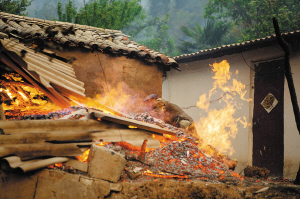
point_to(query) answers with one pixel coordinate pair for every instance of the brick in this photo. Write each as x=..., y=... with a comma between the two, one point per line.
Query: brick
x=105, y=163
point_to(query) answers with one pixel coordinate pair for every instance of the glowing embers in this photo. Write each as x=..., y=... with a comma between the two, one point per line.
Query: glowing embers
x=269, y=102
x=20, y=98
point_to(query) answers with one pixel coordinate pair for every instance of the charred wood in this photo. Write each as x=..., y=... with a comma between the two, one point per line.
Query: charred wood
x=120, y=120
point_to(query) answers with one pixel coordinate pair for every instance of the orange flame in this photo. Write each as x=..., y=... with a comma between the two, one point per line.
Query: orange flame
x=220, y=125
x=119, y=98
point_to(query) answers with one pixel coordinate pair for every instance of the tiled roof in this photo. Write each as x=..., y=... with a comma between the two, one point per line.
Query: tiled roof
x=233, y=48
x=70, y=34
x=53, y=77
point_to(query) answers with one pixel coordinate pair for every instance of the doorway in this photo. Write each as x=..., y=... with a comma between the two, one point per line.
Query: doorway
x=268, y=118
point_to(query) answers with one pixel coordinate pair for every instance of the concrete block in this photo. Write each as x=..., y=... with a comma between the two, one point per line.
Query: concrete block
x=105, y=163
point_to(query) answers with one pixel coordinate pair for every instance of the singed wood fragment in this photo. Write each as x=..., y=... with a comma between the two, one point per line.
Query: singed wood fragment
x=120, y=120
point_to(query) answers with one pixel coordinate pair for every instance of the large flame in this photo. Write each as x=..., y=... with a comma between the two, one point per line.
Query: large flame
x=220, y=125
x=120, y=98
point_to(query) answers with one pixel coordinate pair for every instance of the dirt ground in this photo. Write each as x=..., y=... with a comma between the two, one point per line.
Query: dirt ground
x=169, y=188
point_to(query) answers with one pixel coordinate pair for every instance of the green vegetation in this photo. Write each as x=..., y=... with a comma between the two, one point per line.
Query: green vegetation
x=15, y=6
x=111, y=14
x=253, y=17
x=210, y=36
x=172, y=27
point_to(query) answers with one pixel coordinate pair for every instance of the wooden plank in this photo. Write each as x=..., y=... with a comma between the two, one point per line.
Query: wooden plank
x=132, y=136
x=30, y=151
x=120, y=120
x=39, y=126
x=30, y=138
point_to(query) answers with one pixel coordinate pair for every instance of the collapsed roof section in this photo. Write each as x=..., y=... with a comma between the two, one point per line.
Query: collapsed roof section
x=69, y=34
x=56, y=79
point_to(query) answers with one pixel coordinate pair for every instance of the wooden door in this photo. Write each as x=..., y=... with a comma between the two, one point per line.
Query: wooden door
x=268, y=129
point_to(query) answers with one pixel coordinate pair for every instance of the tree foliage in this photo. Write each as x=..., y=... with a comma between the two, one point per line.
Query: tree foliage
x=69, y=14
x=111, y=14
x=212, y=35
x=15, y=6
x=158, y=37
x=254, y=17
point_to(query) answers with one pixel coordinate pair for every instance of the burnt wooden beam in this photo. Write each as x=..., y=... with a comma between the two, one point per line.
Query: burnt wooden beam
x=288, y=72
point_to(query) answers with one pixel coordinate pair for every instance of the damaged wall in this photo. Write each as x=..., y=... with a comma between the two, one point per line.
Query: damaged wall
x=102, y=73
x=184, y=89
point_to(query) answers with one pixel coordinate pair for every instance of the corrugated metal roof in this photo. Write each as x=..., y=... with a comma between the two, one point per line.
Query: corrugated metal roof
x=232, y=47
x=52, y=74
x=113, y=41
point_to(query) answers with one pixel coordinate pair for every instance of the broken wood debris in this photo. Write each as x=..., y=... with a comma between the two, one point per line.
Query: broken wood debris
x=126, y=121
x=32, y=140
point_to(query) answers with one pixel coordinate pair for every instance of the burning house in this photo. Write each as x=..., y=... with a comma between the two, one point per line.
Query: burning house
x=74, y=124
x=241, y=94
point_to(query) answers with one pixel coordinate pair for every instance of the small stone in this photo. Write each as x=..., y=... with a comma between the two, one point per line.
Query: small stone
x=133, y=175
x=116, y=187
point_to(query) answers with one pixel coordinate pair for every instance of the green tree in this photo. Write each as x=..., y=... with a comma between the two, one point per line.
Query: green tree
x=212, y=35
x=158, y=37
x=111, y=14
x=254, y=17
x=69, y=14
x=15, y=6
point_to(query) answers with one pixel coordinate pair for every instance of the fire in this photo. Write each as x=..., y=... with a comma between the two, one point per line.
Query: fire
x=84, y=157
x=220, y=125
x=165, y=139
x=119, y=98
x=22, y=98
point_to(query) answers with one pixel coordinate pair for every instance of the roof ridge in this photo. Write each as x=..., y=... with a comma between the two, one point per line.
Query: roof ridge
x=230, y=46
x=59, y=23
x=112, y=41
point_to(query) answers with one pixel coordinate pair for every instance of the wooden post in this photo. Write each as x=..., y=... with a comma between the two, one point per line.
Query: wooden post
x=288, y=74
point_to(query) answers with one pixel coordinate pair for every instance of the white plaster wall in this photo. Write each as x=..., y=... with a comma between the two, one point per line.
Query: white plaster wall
x=291, y=134
x=184, y=89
